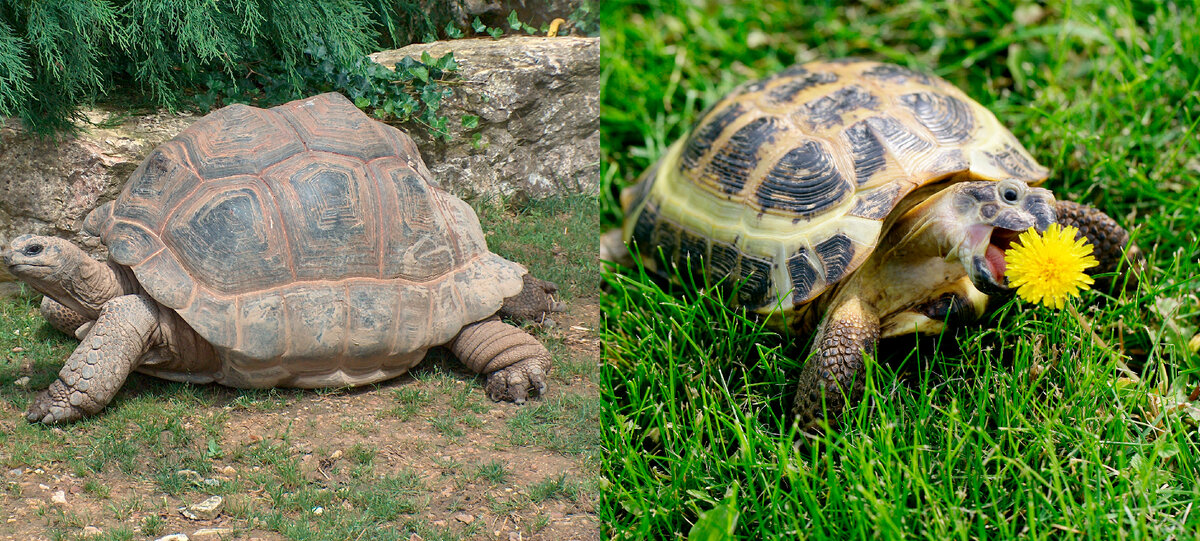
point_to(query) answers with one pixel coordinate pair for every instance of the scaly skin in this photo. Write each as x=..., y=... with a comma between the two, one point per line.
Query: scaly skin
x=832, y=378
x=62, y=318
x=1108, y=240
x=534, y=303
x=514, y=361
x=98, y=367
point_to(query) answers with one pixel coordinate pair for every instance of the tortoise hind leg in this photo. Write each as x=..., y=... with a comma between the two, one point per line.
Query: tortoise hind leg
x=98, y=367
x=534, y=303
x=832, y=379
x=514, y=361
x=62, y=318
x=1110, y=241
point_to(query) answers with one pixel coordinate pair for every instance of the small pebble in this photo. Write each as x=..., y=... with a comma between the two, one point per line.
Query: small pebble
x=59, y=498
x=91, y=531
x=318, y=510
x=22, y=382
x=173, y=537
x=205, y=510
x=212, y=533
x=228, y=471
x=464, y=518
x=18, y=349
x=16, y=472
x=439, y=523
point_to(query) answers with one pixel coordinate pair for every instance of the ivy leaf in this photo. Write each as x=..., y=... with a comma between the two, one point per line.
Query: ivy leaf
x=470, y=122
x=431, y=97
x=495, y=33
x=420, y=72
x=362, y=102
x=452, y=31
x=478, y=26
x=513, y=22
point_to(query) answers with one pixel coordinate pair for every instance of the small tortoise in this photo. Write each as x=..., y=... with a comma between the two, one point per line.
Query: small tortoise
x=858, y=199
x=302, y=246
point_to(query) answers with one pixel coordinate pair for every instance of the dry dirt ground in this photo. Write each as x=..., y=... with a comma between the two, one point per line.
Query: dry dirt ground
x=425, y=456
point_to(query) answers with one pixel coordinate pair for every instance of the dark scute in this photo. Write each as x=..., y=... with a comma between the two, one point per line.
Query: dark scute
x=835, y=254
x=693, y=254
x=732, y=164
x=643, y=228
x=826, y=111
x=663, y=244
x=239, y=139
x=1012, y=162
x=130, y=244
x=895, y=74
x=947, y=117
x=372, y=311
x=156, y=186
x=786, y=91
x=876, y=203
x=416, y=241
x=897, y=137
x=754, y=281
x=227, y=243
x=869, y=154
x=803, y=275
x=803, y=182
x=706, y=134
x=722, y=261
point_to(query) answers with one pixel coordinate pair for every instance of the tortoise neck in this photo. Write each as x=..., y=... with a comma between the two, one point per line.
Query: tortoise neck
x=92, y=283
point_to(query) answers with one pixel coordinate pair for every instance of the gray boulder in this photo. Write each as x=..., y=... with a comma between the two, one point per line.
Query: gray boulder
x=537, y=100
x=49, y=186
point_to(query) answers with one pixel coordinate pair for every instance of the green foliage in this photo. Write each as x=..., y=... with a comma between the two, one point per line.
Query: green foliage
x=55, y=56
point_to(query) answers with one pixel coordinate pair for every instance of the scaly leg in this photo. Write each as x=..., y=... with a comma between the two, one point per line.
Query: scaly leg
x=62, y=318
x=833, y=376
x=98, y=367
x=514, y=361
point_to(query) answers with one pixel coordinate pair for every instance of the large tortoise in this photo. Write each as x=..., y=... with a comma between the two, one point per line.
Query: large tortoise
x=302, y=246
x=858, y=199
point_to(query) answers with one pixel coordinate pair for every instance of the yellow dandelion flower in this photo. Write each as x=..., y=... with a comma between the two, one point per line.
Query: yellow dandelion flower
x=1048, y=268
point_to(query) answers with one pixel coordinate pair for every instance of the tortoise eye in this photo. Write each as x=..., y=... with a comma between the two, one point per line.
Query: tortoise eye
x=1009, y=194
x=33, y=249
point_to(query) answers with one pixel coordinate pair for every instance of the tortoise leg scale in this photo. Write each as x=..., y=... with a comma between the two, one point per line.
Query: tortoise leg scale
x=534, y=303
x=832, y=378
x=514, y=361
x=62, y=318
x=98, y=367
x=1108, y=239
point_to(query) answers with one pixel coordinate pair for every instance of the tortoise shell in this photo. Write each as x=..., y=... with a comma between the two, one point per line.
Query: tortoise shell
x=308, y=230
x=785, y=185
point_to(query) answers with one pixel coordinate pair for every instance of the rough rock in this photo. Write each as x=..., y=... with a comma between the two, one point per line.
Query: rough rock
x=92, y=531
x=539, y=116
x=173, y=537
x=59, y=498
x=49, y=186
x=205, y=510
x=464, y=518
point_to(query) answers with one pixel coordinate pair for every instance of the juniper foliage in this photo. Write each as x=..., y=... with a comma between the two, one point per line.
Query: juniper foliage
x=56, y=55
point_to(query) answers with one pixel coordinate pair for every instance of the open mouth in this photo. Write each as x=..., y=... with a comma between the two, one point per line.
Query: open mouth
x=1000, y=241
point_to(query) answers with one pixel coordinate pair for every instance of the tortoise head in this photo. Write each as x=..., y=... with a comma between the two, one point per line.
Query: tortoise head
x=991, y=215
x=37, y=259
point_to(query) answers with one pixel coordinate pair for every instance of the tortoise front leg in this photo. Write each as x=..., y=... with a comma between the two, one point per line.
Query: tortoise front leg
x=832, y=379
x=62, y=318
x=98, y=367
x=514, y=361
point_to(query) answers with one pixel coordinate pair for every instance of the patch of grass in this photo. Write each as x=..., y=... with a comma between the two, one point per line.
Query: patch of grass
x=1019, y=427
x=554, y=237
x=563, y=422
x=152, y=525
x=494, y=472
